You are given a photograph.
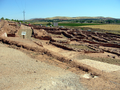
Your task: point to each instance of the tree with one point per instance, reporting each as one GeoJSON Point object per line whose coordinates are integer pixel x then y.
{"type": "Point", "coordinates": [12, 20]}
{"type": "Point", "coordinates": [82, 21]}
{"type": "Point", "coordinates": [2, 18]}
{"type": "Point", "coordinates": [77, 21]}
{"type": "Point", "coordinates": [49, 23]}
{"type": "Point", "coordinates": [109, 21]}
{"type": "Point", "coordinates": [7, 19]}
{"type": "Point", "coordinates": [89, 21]}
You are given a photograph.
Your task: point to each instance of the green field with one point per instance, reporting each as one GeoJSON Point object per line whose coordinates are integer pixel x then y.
{"type": "Point", "coordinates": [76, 24]}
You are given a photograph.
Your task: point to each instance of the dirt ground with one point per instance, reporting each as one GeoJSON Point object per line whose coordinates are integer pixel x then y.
{"type": "Point", "coordinates": [100, 65]}
{"type": "Point", "coordinates": [23, 69]}
{"type": "Point", "coordinates": [12, 74]}
{"type": "Point", "coordinates": [111, 78]}
{"type": "Point", "coordinates": [20, 72]}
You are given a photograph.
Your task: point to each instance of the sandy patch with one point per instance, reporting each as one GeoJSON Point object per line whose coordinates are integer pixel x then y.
{"type": "Point", "coordinates": [100, 65]}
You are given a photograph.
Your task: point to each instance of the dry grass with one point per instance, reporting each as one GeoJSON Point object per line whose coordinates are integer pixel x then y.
{"type": "Point", "coordinates": [80, 47]}
{"type": "Point", "coordinates": [105, 27]}
{"type": "Point", "coordinates": [101, 59]}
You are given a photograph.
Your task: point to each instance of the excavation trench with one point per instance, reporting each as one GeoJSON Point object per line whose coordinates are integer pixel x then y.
{"type": "Point", "coordinates": [73, 64]}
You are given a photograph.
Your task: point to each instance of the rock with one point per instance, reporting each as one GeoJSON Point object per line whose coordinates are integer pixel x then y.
{"type": "Point", "coordinates": [87, 76]}
{"type": "Point", "coordinates": [4, 34]}
{"type": "Point", "coordinates": [95, 76]}
{"type": "Point", "coordinates": [108, 55]}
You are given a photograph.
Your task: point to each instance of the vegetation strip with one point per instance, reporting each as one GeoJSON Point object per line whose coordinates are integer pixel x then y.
{"type": "Point", "coordinates": [75, 24]}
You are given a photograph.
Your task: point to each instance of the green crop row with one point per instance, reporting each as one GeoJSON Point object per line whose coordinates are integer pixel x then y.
{"type": "Point", "coordinates": [76, 24]}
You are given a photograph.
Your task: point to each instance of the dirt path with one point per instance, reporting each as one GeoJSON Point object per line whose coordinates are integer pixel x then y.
{"type": "Point", "coordinates": [20, 72]}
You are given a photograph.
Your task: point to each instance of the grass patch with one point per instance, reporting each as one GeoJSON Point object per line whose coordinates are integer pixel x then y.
{"type": "Point", "coordinates": [76, 24]}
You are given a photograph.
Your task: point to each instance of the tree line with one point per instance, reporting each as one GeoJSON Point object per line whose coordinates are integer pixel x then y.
{"type": "Point", "coordinates": [101, 21]}
{"type": "Point", "coordinates": [109, 21]}
{"type": "Point", "coordinates": [13, 20]}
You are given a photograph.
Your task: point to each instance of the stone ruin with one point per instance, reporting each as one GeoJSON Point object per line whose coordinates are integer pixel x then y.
{"type": "Point", "coordinates": [91, 37]}
{"type": "Point", "coordinates": [94, 39]}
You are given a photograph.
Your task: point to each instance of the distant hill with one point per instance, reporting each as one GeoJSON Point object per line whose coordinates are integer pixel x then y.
{"type": "Point", "coordinates": [71, 18]}
{"type": "Point", "coordinates": [101, 20]}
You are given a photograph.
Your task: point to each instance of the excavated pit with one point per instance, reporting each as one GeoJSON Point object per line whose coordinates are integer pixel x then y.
{"type": "Point", "coordinates": [92, 38]}
{"type": "Point", "coordinates": [61, 58]}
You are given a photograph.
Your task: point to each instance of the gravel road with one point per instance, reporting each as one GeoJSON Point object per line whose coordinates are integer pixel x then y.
{"type": "Point", "coordinates": [20, 72]}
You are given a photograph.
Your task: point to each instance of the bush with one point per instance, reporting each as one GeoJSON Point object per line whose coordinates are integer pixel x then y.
{"type": "Point", "coordinates": [49, 23]}
{"type": "Point", "coordinates": [2, 18]}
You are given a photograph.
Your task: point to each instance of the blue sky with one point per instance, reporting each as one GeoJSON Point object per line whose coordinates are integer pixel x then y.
{"type": "Point", "coordinates": [13, 9]}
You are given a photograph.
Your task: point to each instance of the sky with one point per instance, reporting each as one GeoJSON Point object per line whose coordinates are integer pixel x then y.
{"type": "Point", "coordinates": [13, 9]}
